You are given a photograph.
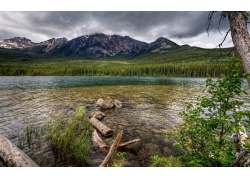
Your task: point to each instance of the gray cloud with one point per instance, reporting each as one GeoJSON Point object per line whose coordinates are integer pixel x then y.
{"type": "Point", "coordinates": [145, 26]}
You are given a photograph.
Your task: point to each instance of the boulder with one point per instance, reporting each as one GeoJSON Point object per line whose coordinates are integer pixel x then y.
{"type": "Point", "coordinates": [96, 114]}
{"type": "Point", "coordinates": [117, 103]}
{"type": "Point", "coordinates": [108, 103]}
{"type": "Point", "coordinates": [99, 102]}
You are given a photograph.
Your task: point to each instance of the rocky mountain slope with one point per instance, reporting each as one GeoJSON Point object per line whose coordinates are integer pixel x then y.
{"type": "Point", "coordinates": [23, 43]}
{"type": "Point", "coordinates": [95, 46]}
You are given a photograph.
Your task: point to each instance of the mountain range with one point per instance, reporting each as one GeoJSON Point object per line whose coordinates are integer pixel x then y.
{"type": "Point", "coordinates": [96, 46]}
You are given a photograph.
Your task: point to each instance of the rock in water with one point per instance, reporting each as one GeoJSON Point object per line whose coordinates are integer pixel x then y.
{"type": "Point", "coordinates": [117, 103]}
{"type": "Point", "coordinates": [108, 103]}
{"type": "Point", "coordinates": [97, 114]}
{"type": "Point", "coordinates": [99, 102]}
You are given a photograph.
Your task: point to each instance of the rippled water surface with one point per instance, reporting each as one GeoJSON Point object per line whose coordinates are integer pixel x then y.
{"type": "Point", "coordinates": [150, 107]}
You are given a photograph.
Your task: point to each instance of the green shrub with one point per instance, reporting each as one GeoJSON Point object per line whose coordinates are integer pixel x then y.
{"type": "Point", "coordinates": [120, 155]}
{"type": "Point", "coordinates": [165, 162]}
{"type": "Point", "coordinates": [203, 136]}
{"type": "Point", "coordinates": [113, 164]}
{"type": "Point", "coordinates": [71, 138]}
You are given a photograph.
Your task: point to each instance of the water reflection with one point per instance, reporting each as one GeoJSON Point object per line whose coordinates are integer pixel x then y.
{"type": "Point", "coordinates": [50, 82]}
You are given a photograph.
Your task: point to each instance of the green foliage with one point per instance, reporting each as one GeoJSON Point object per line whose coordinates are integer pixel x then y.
{"type": "Point", "coordinates": [246, 15]}
{"type": "Point", "coordinates": [71, 138]}
{"type": "Point", "coordinates": [165, 162]}
{"type": "Point", "coordinates": [120, 155]}
{"type": "Point", "coordinates": [114, 164]}
{"type": "Point", "coordinates": [203, 136]}
{"type": "Point", "coordinates": [118, 160]}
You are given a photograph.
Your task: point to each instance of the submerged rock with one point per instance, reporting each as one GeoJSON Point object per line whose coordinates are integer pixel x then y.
{"type": "Point", "coordinates": [99, 102]}
{"type": "Point", "coordinates": [108, 103]}
{"type": "Point", "coordinates": [96, 114]}
{"type": "Point", "coordinates": [117, 103]}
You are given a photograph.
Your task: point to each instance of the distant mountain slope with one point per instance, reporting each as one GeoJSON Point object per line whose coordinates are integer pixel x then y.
{"type": "Point", "coordinates": [101, 46]}
{"type": "Point", "coordinates": [95, 46]}
{"type": "Point", "coordinates": [24, 43]}
{"type": "Point", "coordinates": [162, 45]}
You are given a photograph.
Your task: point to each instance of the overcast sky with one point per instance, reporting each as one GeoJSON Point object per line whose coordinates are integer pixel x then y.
{"type": "Point", "coordinates": [182, 27]}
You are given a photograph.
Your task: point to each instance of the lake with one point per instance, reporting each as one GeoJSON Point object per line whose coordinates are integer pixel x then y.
{"type": "Point", "coordinates": [150, 108]}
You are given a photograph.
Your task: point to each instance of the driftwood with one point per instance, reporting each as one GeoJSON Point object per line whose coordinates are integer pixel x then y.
{"type": "Point", "coordinates": [241, 157]}
{"type": "Point", "coordinates": [129, 142]}
{"type": "Point", "coordinates": [99, 141]}
{"type": "Point", "coordinates": [102, 128]}
{"type": "Point", "coordinates": [96, 114]}
{"type": "Point", "coordinates": [106, 162]}
{"type": "Point", "coordinates": [105, 147]}
{"type": "Point", "coordinates": [13, 156]}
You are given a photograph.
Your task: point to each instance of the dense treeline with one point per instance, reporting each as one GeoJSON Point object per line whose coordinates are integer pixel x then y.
{"type": "Point", "coordinates": [169, 70]}
{"type": "Point", "coordinates": [184, 61]}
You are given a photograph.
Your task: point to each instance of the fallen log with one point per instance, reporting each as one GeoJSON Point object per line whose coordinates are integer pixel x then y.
{"type": "Point", "coordinates": [96, 114]}
{"type": "Point", "coordinates": [99, 141]}
{"type": "Point", "coordinates": [242, 159]}
{"type": "Point", "coordinates": [105, 147]}
{"type": "Point", "coordinates": [102, 128]}
{"type": "Point", "coordinates": [108, 159]}
{"type": "Point", "coordinates": [242, 154]}
{"type": "Point", "coordinates": [13, 156]}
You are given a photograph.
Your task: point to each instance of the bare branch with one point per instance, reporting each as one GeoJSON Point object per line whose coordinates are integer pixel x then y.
{"type": "Point", "coordinates": [209, 21]}
{"type": "Point", "coordinates": [222, 17]}
{"type": "Point", "coordinates": [220, 45]}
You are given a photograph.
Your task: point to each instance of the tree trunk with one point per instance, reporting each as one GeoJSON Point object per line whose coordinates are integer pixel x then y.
{"type": "Point", "coordinates": [13, 156]}
{"type": "Point", "coordinates": [240, 37]}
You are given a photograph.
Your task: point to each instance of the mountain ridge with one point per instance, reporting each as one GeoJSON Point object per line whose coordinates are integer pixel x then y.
{"type": "Point", "coordinates": [96, 46]}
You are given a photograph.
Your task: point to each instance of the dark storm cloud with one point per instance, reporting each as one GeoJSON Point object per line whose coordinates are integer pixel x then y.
{"type": "Point", "coordinates": [5, 34]}
{"type": "Point", "coordinates": [144, 26]}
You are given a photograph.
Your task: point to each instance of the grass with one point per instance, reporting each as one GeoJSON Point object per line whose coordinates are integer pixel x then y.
{"type": "Point", "coordinates": [165, 162]}
{"type": "Point", "coordinates": [114, 164]}
{"type": "Point", "coordinates": [118, 160]}
{"type": "Point", "coordinates": [31, 135]}
{"type": "Point", "coordinates": [71, 138]}
{"type": "Point", "coordinates": [120, 155]}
